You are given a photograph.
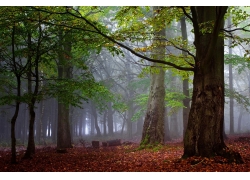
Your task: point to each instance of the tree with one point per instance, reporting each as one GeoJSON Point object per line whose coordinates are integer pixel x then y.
{"type": "Point", "coordinates": [153, 127]}
{"type": "Point", "coordinates": [185, 84]}
{"type": "Point", "coordinates": [231, 103]}
{"type": "Point", "coordinates": [64, 72]}
{"type": "Point", "coordinates": [204, 134]}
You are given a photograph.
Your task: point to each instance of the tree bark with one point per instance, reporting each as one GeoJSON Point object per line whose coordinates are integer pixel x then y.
{"type": "Point", "coordinates": [153, 127]}
{"type": "Point", "coordinates": [64, 71]}
{"type": "Point", "coordinates": [204, 134]}
{"type": "Point", "coordinates": [17, 103]}
{"type": "Point", "coordinates": [185, 84]}
{"type": "Point", "coordinates": [231, 101]}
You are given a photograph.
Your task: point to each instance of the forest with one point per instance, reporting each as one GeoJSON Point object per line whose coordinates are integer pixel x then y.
{"type": "Point", "coordinates": [124, 88]}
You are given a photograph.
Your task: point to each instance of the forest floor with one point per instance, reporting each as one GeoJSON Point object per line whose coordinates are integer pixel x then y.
{"type": "Point", "coordinates": [125, 158]}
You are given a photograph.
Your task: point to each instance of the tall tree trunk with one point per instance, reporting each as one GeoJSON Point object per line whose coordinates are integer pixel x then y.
{"type": "Point", "coordinates": [204, 134]}
{"type": "Point", "coordinates": [185, 84]}
{"type": "Point", "coordinates": [153, 127]}
{"type": "Point", "coordinates": [64, 72]}
{"type": "Point", "coordinates": [31, 140]}
{"type": "Point", "coordinates": [231, 101]}
{"type": "Point", "coordinates": [17, 102]}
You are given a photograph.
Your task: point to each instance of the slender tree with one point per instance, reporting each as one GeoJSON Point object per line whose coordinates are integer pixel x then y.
{"type": "Point", "coordinates": [231, 101]}
{"type": "Point", "coordinates": [185, 84]}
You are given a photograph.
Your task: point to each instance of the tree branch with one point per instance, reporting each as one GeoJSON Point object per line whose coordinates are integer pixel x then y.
{"type": "Point", "coordinates": [98, 31]}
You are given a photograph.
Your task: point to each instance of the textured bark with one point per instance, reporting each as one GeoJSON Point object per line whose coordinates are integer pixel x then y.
{"type": "Point", "coordinates": [64, 71]}
{"type": "Point", "coordinates": [204, 134]}
{"type": "Point", "coordinates": [153, 127]}
{"type": "Point", "coordinates": [63, 127]}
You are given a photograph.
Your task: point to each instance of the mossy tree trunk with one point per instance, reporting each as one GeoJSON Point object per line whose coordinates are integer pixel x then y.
{"type": "Point", "coordinates": [204, 134]}
{"type": "Point", "coordinates": [153, 127]}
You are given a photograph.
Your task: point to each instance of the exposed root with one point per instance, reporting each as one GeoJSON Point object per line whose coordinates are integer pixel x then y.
{"type": "Point", "coordinates": [231, 156]}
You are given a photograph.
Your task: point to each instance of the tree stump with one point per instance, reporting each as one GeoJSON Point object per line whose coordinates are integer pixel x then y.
{"type": "Point", "coordinates": [95, 144]}
{"type": "Point", "coordinates": [104, 144]}
{"type": "Point", "coordinates": [115, 142]}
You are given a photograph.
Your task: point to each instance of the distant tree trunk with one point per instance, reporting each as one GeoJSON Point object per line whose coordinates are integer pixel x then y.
{"type": "Point", "coordinates": [204, 134]}
{"type": "Point", "coordinates": [110, 120]}
{"type": "Point", "coordinates": [94, 113]}
{"type": "Point", "coordinates": [153, 128]}
{"type": "Point", "coordinates": [92, 125]}
{"type": "Point", "coordinates": [129, 122]}
{"type": "Point", "coordinates": [173, 125]}
{"type": "Point", "coordinates": [41, 138]}
{"type": "Point", "coordinates": [64, 72]}
{"type": "Point", "coordinates": [240, 120]}
{"type": "Point", "coordinates": [139, 126]}
{"type": "Point", "coordinates": [185, 84]}
{"type": "Point", "coordinates": [105, 123]}
{"type": "Point", "coordinates": [83, 124]}
{"type": "Point", "coordinates": [166, 128]}
{"type": "Point", "coordinates": [231, 102]}
{"type": "Point", "coordinates": [54, 120]}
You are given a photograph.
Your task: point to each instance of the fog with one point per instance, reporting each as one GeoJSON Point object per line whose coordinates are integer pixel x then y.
{"type": "Point", "coordinates": [127, 77]}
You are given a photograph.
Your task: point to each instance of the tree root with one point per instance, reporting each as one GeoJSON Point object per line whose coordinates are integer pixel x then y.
{"type": "Point", "coordinates": [231, 156]}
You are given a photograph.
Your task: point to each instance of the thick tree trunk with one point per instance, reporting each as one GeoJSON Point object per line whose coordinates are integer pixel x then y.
{"type": "Point", "coordinates": [63, 127]}
{"type": "Point", "coordinates": [64, 72]}
{"type": "Point", "coordinates": [204, 134]}
{"type": "Point", "coordinates": [153, 127]}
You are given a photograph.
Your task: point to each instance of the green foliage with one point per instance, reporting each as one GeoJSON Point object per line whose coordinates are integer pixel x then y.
{"type": "Point", "coordinates": [238, 97]}
{"type": "Point", "coordinates": [241, 63]}
{"type": "Point", "coordinates": [173, 100]}
{"type": "Point", "coordinates": [239, 14]}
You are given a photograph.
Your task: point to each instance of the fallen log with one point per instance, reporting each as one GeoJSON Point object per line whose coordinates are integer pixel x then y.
{"type": "Point", "coordinates": [115, 142]}
{"type": "Point", "coordinates": [104, 144]}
